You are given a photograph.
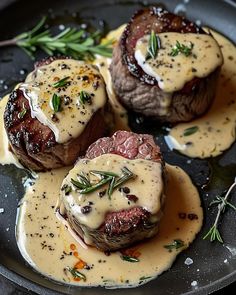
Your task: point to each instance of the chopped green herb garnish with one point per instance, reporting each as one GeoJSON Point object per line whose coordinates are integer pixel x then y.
{"type": "Point", "coordinates": [181, 48]}
{"type": "Point", "coordinates": [77, 43]}
{"type": "Point", "coordinates": [129, 258]}
{"type": "Point", "coordinates": [56, 103]}
{"type": "Point", "coordinates": [222, 203]}
{"type": "Point", "coordinates": [190, 130]}
{"type": "Point", "coordinates": [22, 113]}
{"type": "Point", "coordinates": [175, 245]}
{"type": "Point", "coordinates": [67, 189]}
{"type": "Point", "coordinates": [84, 97]}
{"type": "Point", "coordinates": [144, 278]}
{"type": "Point", "coordinates": [61, 83]}
{"type": "Point", "coordinates": [153, 45]}
{"type": "Point", "coordinates": [105, 177]}
{"type": "Point", "coordinates": [76, 274]}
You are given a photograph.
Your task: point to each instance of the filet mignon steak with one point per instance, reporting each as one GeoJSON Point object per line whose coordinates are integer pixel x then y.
{"type": "Point", "coordinates": [123, 227]}
{"type": "Point", "coordinates": [35, 143]}
{"type": "Point", "coordinates": [140, 91]}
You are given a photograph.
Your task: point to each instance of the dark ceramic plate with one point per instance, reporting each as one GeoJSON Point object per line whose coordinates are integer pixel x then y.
{"type": "Point", "coordinates": [214, 266]}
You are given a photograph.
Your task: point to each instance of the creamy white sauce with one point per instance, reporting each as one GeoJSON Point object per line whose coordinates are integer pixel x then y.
{"type": "Point", "coordinates": [173, 72]}
{"type": "Point", "coordinates": [73, 116]}
{"type": "Point", "coordinates": [103, 63]}
{"type": "Point", "coordinates": [146, 185]}
{"type": "Point", "coordinates": [50, 249]}
{"type": "Point", "coordinates": [215, 131]}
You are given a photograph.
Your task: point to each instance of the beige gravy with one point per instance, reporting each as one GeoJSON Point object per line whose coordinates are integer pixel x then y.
{"type": "Point", "coordinates": [50, 249]}
{"type": "Point", "coordinates": [214, 132]}
{"type": "Point", "coordinates": [82, 93]}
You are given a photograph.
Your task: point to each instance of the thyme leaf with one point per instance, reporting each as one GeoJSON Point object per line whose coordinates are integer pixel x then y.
{"type": "Point", "coordinates": [61, 83]}
{"type": "Point", "coordinates": [77, 43]}
{"type": "Point", "coordinates": [181, 48]}
{"type": "Point", "coordinates": [76, 274]}
{"type": "Point", "coordinates": [190, 130]}
{"type": "Point", "coordinates": [56, 103]}
{"type": "Point", "coordinates": [222, 203]}
{"type": "Point", "coordinates": [154, 44]}
{"type": "Point", "coordinates": [175, 245]}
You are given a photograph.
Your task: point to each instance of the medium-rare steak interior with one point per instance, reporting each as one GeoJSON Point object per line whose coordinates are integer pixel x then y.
{"type": "Point", "coordinates": [113, 197]}
{"type": "Point", "coordinates": [58, 111]}
{"type": "Point", "coordinates": [165, 66]}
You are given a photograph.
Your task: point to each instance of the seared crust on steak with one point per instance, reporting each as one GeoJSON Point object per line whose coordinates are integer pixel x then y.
{"type": "Point", "coordinates": [122, 228]}
{"type": "Point", "coordinates": [34, 144]}
{"type": "Point", "coordinates": [139, 91]}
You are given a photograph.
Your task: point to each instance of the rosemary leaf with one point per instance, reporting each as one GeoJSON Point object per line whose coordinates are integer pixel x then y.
{"type": "Point", "coordinates": [111, 187]}
{"type": "Point", "coordinates": [190, 131]}
{"type": "Point", "coordinates": [22, 113]}
{"type": "Point", "coordinates": [175, 245]}
{"type": "Point", "coordinates": [76, 274]}
{"type": "Point", "coordinates": [154, 44]}
{"type": "Point", "coordinates": [129, 258]}
{"type": "Point", "coordinates": [77, 184]}
{"type": "Point", "coordinates": [84, 97]}
{"type": "Point", "coordinates": [61, 83]}
{"type": "Point", "coordinates": [87, 190]}
{"type": "Point", "coordinates": [56, 103]}
{"type": "Point", "coordinates": [103, 173]}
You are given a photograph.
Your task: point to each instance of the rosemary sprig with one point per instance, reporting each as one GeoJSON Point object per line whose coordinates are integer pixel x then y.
{"type": "Point", "coordinates": [175, 245]}
{"type": "Point", "coordinates": [181, 48]}
{"type": "Point", "coordinates": [222, 202]}
{"type": "Point", "coordinates": [61, 83]}
{"type": "Point", "coordinates": [71, 42]}
{"type": "Point", "coordinates": [76, 274]}
{"type": "Point", "coordinates": [56, 103]}
{"type": "Point", "coordinates": [190, 130]}
{"type": "Point", "coordinates": [154, 44]}
{"type": "Point", "coordinates": [105, 177]}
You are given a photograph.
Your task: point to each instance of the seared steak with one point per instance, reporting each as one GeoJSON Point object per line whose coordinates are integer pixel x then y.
{"type": "Point", "coordinates": [122, 228]}
{"type": "Point", "coordinates": [34, 143]}
{"type": "Point", "coordinates": [139, 91]}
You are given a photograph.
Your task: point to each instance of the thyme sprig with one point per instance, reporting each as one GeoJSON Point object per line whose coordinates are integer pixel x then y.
{"type": "Point", "coordinates": [71, 42]}
{"type": "Point", "coordinates": [181, 48]}
{"type": "Point", "coordinates": [105, 177]}
{"type": "Point", "coordinates": [154, 44]}
{"type": "Point", "coordinates": [222, 203]}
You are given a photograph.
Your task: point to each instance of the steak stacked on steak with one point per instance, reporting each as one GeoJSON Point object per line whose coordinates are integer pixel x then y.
{"type": "Point", "coordinates": [139, 91]}
{"type": "Point", "coordinates": [122, 228]}
{"type": "Point", "coordinates": [34, 143]}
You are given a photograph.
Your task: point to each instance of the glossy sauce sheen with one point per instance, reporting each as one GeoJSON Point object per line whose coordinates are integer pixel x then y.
{"type": "Point", "coordinates": [73, 116]}
{"type": "Point", "coordinates": [146, 185]}
{"type": "Point", "coordinates": [173, 72]}
{"type": "Point", "coordinates": [215, 131]}
{"type": "Point", "coordinates": [103, 63]}
{"type": "Point", "coordinates": [49, 248]}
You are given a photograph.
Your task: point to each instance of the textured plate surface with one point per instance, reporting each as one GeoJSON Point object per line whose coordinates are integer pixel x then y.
{"type": "Point", "coordinates": [214, 265]}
